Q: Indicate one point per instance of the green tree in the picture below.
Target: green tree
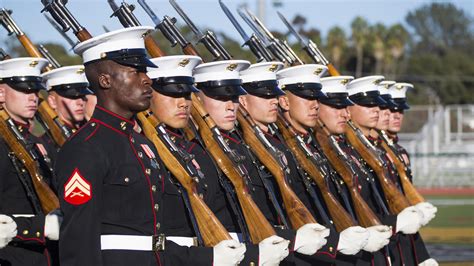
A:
(360, 29)
(377, 37)
(397, 39)
(336, 43)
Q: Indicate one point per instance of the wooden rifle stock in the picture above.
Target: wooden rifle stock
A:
(413, 196)
(339, 215)
(189, 49)
(211, 229)
(152, 47)
(341, 164)
(395, 199)
(297, 212)
(259, 227)
(332, 70)
(46, 196)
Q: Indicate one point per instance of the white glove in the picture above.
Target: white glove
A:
(429, 262)
(310, 238)
(228, 252)
(428, 210)
(379, 236)
(7, 230)
(52, 222)
(352, 240)
(272, 250)
(409, 220)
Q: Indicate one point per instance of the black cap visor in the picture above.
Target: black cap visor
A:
(136, 58)
(401, 104)
(26, 84)
(390, 104)
(174, 86)
(368, 99)
(337, 100)
(222, 88)
(264, 89)
(310, 91)
(73, 90)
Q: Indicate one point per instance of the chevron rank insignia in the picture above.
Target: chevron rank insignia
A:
(77, 189)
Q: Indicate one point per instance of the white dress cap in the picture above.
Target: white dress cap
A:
(173, 66)
(399, 90)
(22, 67)
(336, 84)
(309, 73)
(365, 84)
(384, 86)
(261, 71)
(220, 70)
(64, 75)
(127, 38)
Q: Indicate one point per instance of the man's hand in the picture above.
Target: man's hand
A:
(228, 252)
(379, 236)
(272, 250)
(310, 238)
(352, 240)
(8, 230)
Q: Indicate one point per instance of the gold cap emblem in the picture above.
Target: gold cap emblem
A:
(377, 81)
(273, 68)
(344, 81)
(318, 71)
(399, 87)
(232, 67)
(34, 63)
(80, 70)
(183, 62)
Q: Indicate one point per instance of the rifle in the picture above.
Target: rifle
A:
(169, 30)
(280, 49)
(16, 143)
(4, 55)
(58, 10)
(272, 158)
(46, 54)
(179, 163)
(230, 163)
(413, 196)
(208, 39)
(126, 17)
(57, 27)
(47, 116)
(395, 199)
(344, 166)
(253, 42)
(309, 163)
(310, 47)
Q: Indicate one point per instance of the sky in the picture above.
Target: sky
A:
(320, 14)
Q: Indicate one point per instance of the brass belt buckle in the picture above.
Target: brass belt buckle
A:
(159, 242)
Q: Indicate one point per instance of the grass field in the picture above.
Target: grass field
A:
(453, 225)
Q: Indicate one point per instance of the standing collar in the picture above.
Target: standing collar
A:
(113, 120)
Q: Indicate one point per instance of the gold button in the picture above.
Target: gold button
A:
(252, 263)
(148, 171)
(330, 249)
(132, 140)
(153, 188)
(126, 179)
(157, 207)
(140, 154)
(93, 124)
(38, 234)
(25, 232)
(158, 225)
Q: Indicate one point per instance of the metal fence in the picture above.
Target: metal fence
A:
(440, 140)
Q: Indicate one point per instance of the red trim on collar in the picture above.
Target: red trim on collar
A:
(173, 133)
(108, 126)
(132, 122)
(230, 138)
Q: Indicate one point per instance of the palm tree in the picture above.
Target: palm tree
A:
(336, 44)
(397, 38)
(360, 30)
(377, 38)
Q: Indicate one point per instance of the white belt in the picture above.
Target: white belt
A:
(191, 241)
(126, 242)
(23, 215)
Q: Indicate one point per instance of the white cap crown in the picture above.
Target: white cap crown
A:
(261, 71)
(384, 86)
(220, 70)
(399, 89)
(22, 67)
(309, 73)
(127, 38)
(336, 84)
(64, 75)
(365, 84)
(174, 66)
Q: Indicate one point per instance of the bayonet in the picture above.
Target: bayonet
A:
(309, 46)
(255, 45)
(124, 13)
(7, 21)
(46, 54)
(58, 28)
(208, 39)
